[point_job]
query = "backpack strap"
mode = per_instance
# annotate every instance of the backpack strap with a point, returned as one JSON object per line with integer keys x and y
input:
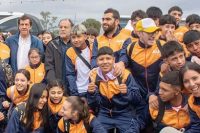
{"x": 160, "y": 112}
{"x": 82, "y": 58}
{"x": 160, "y": 48}
{"x": 66, "y": 126}
{"x": 131, "y": 49}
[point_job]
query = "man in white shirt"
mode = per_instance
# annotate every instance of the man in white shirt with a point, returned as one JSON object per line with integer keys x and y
{"x": 21, "y": 42}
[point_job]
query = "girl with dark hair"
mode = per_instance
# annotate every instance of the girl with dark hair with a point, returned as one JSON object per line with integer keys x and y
{"x": 190, "y": 78}
{"x": 55, "y": 102}
{"x": 35, "y": 67}
{"x": 77, "y": 118}
{"x": 20, "y": 91}
{"x": 31, "y": 116}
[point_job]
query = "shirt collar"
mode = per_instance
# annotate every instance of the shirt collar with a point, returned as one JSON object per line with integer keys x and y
{"x": 108, "y": 76}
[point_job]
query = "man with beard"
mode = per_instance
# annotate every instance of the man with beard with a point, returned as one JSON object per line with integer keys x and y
{"x": 114, "y": 37}
{"x": 55, "y": 53}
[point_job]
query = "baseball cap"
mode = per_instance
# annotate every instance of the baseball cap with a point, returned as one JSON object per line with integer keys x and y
{"x": 147, "y": 25}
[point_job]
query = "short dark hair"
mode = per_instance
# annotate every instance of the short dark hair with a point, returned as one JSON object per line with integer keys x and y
{"x": 167, "y": 19}
{"x": 192, "y": 19}
{"x": 48, "y": 32}
{"x": 191, "y": 36}
{"x": 92, "y": 31}
{"x": 171, "y": 47}
{"x": 105, "y": 50}
{"x": 154, "y": 12}
{"x": 171, "y": 78}
{"x": 67, "y": 19}
{"x": 138, "y": 13}
{"x": 25, "y": 17}
{"x": 175, "y": 8}
{"x": 114, "y": 12}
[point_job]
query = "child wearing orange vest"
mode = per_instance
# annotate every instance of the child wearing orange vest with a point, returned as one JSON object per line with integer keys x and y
{"x": 55, "y": 102}
{"x": 36, "y": 67}
{"x": 77, "y": 118}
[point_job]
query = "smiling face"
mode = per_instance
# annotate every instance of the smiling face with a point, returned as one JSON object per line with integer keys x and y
{"x": 46, "y": 37}
{"x": 147, "y": 38}
{"x": 56, "y": 94}
{"x": 191, "y": 81}
{"x": 109, "y": 23}
{"x": 105, "y": 62}
{"x": 21, "y": 82}
{"x": 43, "y": 99}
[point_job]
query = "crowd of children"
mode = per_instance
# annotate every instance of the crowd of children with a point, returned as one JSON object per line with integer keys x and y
{"x": 141, "y": 81}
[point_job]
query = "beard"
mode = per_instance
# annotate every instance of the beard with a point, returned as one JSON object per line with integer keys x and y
{"x": 109, "y": 29}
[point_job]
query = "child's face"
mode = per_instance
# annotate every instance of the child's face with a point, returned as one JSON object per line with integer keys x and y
{"x": 79, "y": 40}
{"x": 34, "y": 58}
{"x": 191, "y": 81}
{"x": 195, "y": 26}
{"x": 106, "y": 63}
{"x": 43, "y": 99}
{"x": 167, "y": 92}
{"x": 194, "y": 48}
{"x": 21, "y": 82}
{"x": 46, "y": 38}
{"x": 167, "y": 29}
{"x": 177, "y": 15}
{"x": 90, "y": 38}
{"x": 67, "y": 111}
{"x": 176, "y": 61}
{"x": 56, "y": 94}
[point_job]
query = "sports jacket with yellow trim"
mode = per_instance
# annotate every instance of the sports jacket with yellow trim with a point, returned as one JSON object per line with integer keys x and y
{"x": 37, "y": 74}
{"x": 194, "y": 111}
{"x": 4, "y": 52}
{"x": 172, "y": 118}
{"x": 115, "y": 43}
{"x": 108, "y": 95}
{"x": 94, "y": 124}
{"x": 71, "y": 72}
{"x": 144, "y": 64}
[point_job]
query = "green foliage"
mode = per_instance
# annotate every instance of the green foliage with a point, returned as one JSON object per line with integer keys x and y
{"x": 92, "y": 23}
{"x": 48, "y": 21}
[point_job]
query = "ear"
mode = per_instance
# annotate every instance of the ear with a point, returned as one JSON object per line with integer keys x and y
{"x": 116, "y": 22}
{"x": 75, "y": 114}
{"x": 178, "y": 90}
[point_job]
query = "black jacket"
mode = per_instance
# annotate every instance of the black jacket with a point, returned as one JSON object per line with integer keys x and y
{"x": 55, "y": 59}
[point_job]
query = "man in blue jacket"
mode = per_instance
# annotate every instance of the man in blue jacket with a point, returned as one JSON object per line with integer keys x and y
{"x": 21, "y": 42}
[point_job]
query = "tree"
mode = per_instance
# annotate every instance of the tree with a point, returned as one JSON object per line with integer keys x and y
{"x": 48, "y": 21}
{"x": 92, "y": 23}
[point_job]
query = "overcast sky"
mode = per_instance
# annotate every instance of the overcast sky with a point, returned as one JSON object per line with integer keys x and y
{"x": 79, "y": 10}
